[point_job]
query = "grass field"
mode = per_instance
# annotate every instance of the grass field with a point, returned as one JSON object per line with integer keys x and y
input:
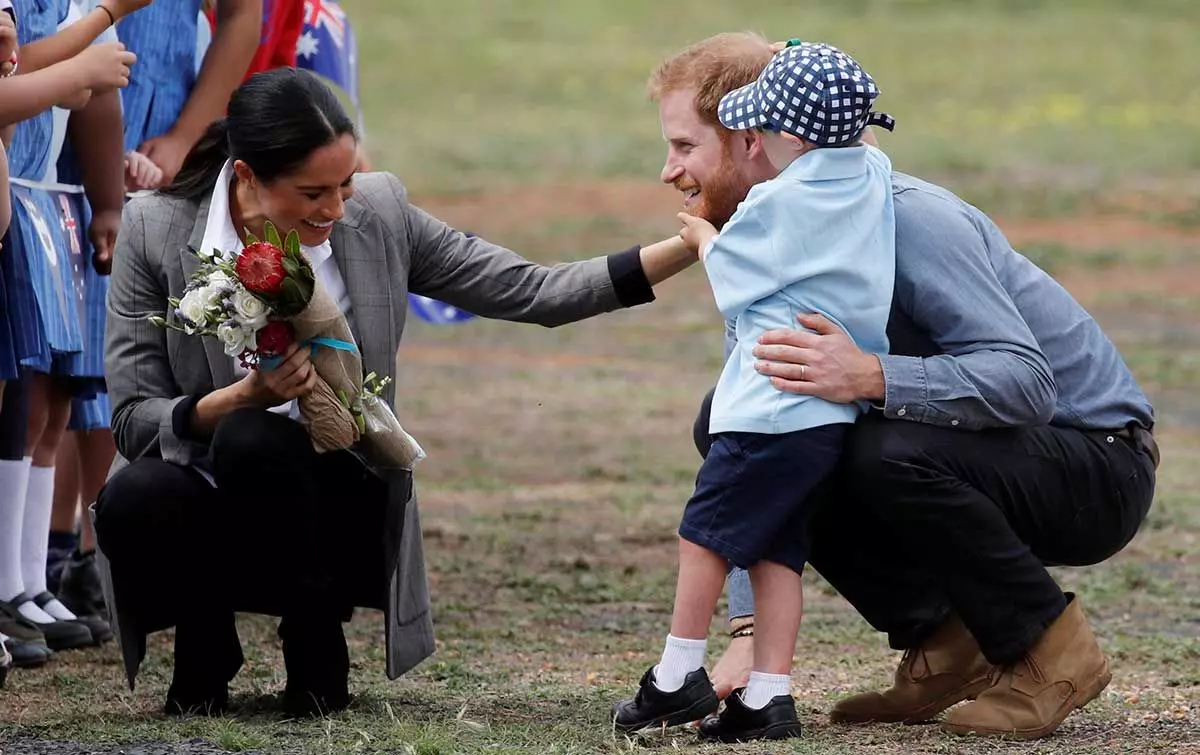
{"x": 560, "y": 459}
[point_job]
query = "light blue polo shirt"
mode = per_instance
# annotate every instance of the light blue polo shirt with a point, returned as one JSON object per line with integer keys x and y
{"x": 820, "y": 237}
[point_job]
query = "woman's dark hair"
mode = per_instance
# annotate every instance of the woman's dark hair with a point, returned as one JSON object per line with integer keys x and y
{"x": 275, "y": 121}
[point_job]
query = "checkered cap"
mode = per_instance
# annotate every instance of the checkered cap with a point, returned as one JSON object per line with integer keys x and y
{"x": 812, "y": 90}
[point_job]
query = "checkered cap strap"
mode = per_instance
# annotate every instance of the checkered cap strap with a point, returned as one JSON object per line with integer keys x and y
{"x": 882, "y": 120}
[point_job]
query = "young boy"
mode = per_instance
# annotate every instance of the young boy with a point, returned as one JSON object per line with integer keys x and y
{"x": 820, "y": 237}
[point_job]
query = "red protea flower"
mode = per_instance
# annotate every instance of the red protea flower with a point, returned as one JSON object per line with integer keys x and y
{"x": 260, "y": 268}
{"x": 274, "y": 338}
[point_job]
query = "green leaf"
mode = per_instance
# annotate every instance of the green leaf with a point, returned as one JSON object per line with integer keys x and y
{"x": 272, "y": 235}
{"x": 250, "y": 237}
{"x": 291, "y": 267}
{"x": 292, "y": 245}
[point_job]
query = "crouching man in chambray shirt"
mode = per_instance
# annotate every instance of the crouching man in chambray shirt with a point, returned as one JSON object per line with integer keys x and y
{"x": 1008, "y": 435}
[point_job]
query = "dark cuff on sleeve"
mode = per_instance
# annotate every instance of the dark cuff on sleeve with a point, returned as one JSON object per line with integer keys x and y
{"x": 629, "y": 279}
{"x": 181, "y": 417}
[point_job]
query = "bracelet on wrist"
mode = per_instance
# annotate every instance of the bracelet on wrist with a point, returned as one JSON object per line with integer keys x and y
{"x": 112, "y": 20}
{"x": 746, "y": 630}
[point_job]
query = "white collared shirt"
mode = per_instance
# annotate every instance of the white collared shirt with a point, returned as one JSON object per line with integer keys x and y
{"x": 219, "y": 233}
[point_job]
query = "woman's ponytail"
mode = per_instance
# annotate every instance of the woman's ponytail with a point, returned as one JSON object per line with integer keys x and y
{"x": 202, "y": 165}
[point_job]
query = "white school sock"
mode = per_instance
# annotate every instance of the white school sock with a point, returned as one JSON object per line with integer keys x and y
{"x": 680, "y": 657}
{"x": 14, "y": 478}
{"x": 763, "y": 688}
{"x": 35, "y": 542}
{"x": 35, "y": 530}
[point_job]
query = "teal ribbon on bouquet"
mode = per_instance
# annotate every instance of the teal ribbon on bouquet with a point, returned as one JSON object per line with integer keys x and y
{"x": 270, "y": 363}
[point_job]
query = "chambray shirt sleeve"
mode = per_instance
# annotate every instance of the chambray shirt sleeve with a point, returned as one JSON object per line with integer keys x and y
{"x": 740, "y": 263}
{"x": 991, "y": 372}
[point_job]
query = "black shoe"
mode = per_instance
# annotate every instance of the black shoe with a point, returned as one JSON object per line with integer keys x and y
{"x": 28, "y": 654}
{"x": 207, "y": 657}
{"x": 80, "y": 589}
{"x": 318, "y": 666}
{"x": 99, "y": 628}
{"x": 195, "y": 702}
{"x": 299, "y": 702}
{"x": 653, "y": 707}
{"x": 60, "y": 635}
{"x": 737, "y": 723}
{"x": 14, "y": 624}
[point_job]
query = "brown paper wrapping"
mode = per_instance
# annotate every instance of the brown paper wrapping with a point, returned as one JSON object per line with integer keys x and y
{"x": 331, "y": 424}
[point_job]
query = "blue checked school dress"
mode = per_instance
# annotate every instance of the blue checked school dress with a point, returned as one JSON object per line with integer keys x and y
{"x": 43, "y": 305}
{"x": 90, "y": 407}
{"x": 165, "y": 72}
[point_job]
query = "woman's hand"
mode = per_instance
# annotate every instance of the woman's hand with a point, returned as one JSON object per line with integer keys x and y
{"x": 293, "y": 378}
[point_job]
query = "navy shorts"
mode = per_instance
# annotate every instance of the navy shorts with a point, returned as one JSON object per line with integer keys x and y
{"x": 754, "y": 496}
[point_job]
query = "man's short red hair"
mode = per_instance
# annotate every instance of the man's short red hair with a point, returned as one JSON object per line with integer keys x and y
{"x": 713, "y": 67}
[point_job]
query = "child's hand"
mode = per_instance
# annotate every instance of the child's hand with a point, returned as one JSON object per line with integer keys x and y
{"x": 8, "y": 45}
{"x": 104, "y": 66}
{"x": 696, "y": 232}
{"x": 141, "y": 172}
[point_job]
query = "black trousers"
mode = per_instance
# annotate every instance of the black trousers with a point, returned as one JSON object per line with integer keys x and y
{"x": 286, "y": 531}
{"x": 921, "y": 521}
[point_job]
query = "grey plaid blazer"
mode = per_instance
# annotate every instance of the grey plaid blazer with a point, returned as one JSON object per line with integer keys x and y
{"x": 385, "y": 248}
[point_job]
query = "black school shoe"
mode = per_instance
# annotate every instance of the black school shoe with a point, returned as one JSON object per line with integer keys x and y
{"x": 60, "y": 635}
{"x": 653, "y": 707}
{"x": 737, "y": 723}
{"x": 101, "y": 631}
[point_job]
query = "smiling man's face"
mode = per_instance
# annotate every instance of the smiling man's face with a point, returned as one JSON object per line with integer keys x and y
{"x": 700, "y": 160}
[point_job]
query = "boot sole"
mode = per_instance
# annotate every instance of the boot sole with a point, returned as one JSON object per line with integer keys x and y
{"x": 695, "y": 712}
{"x": 1075, "y": 702}
{"x": 920, "y": 715}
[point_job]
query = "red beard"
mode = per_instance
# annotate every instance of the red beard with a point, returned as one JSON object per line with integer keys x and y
{"x": 719, "y": 195}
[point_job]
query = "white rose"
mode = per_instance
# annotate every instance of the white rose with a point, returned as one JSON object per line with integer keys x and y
{"x": 220, "y": 279}
{"x": 193, "y": 308}
{"x": 212, "y": 294}
{"x": 249, "y": 308}
{"x": 235, "y": 338}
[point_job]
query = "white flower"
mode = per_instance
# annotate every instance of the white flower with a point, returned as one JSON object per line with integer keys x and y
{"x": 211, "y": 294}
{"x": 220, "y": 279}
{"x": 193, "y": 308}
{"x": 236, "y": 339}
{"x": 249, "y": 308}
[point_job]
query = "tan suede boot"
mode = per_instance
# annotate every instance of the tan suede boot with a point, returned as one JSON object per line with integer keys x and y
{"x": 946, "y": 669}
{"x": 1065, "y": 670}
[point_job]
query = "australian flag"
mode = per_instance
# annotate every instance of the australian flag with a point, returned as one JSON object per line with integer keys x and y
{"x": 327, "y": 47}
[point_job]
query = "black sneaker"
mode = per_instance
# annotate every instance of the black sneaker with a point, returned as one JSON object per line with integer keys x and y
{"x": 737, "y": 723}
{"x": 653, "y": 707}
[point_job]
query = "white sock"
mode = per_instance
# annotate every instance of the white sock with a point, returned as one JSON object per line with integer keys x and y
{"x": 765, "y": 687}
{"x": 35, "y": 530}
{"x": 14, "y": 479}
{"x": 30, "y": 610}
{"x": 58, "y": 611}
{"x": 680, "y": 657}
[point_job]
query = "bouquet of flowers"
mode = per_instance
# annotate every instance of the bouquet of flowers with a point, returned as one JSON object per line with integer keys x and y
{"x": 267, "y": 298}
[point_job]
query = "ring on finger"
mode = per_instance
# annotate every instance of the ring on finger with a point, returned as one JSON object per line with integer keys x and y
{"x": 801, "y": 373}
